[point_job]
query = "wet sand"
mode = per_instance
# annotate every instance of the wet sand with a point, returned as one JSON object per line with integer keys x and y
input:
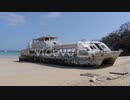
{"x": 14, "y": 73}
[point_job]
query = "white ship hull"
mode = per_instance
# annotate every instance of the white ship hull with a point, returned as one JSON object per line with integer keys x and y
{"x": 103, "y": 59}
{"x": 87, "y": 53}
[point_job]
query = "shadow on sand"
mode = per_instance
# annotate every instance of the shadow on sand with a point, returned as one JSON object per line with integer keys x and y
{"x": 67, "y": 66}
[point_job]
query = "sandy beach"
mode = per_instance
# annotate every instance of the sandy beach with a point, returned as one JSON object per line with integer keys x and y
{"x": 14, "y": 73}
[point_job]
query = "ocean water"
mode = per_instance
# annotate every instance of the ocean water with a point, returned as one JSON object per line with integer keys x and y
{"x": 10, "y": 53}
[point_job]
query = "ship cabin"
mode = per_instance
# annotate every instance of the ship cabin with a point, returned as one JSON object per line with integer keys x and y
{"x": 47, "y": 38}
{"x": 43, "y": 42}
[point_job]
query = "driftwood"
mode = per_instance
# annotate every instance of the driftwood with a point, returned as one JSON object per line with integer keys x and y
{"x": 93, "y": 79}
{"x": 89, "y": 74}
{"x": 111, "y": 78}
{"x": 118, "y": 73}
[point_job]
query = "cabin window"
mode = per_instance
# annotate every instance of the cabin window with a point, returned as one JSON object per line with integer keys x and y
{"x": 94, "y": 47}
{"x": 103, "y": 46}
{"x": 91, "y": 47}
{"x": 46, "y": 39}
{"x": 98, "y": 46}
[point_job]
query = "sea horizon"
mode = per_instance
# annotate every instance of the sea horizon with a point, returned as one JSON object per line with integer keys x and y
{"x": 9, "y": 53}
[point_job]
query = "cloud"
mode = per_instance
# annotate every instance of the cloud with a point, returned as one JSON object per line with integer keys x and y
{"x": 12, "y": 19}
{"x": 55, "y": 14}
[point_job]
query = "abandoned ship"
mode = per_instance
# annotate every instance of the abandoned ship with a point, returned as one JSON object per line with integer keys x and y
{"x": 48, "y": 49}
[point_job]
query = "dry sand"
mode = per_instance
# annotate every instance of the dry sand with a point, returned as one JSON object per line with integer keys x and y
{"x": 14, "y": 73}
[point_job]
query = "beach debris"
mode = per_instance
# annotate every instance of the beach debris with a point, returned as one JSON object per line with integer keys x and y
{"x": 89, "y": 74}
{"x": 93, "y": 76}
{"x": 93, "y": 79}
{"x": 112, "y": 78}
{"x": 102, "y": 78}
{"x": 96, "y": 77}
{"x": 119, "y": 73}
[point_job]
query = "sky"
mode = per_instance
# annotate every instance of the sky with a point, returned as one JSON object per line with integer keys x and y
{"x": 18, "y": 28}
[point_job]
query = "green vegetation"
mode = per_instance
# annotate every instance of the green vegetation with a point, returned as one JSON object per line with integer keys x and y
{"x": 119, "y": 39}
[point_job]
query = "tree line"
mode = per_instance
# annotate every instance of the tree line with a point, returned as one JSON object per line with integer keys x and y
{"x": 119, "y": 39}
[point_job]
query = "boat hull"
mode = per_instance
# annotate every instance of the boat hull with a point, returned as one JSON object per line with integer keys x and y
{"x": 108, "y": 58}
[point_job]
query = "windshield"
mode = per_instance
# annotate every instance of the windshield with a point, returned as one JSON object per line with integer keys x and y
{"x": 100, "y": 48}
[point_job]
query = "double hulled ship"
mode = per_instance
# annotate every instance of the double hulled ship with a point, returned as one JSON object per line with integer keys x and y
{"x": 48, "y": 49}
